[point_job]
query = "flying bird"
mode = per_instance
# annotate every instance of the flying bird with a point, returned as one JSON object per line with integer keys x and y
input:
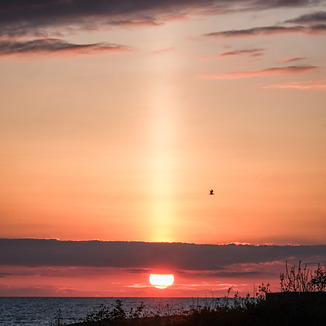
{"x": 211, "y": 192}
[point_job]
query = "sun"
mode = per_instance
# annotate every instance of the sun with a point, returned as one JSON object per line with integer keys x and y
{"x": 161, "y": 281}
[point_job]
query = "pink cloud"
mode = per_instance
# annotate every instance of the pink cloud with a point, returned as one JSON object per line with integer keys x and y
{"x": 316, "y": 86}
{"x": 163, "y": 50}
{"x": 257, "y": 73}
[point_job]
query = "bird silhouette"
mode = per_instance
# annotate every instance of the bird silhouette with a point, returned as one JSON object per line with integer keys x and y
{"x": 211, "y": 192}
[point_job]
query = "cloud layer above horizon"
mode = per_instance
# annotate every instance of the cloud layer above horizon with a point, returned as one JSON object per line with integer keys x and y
{"x": 118, "y": 254}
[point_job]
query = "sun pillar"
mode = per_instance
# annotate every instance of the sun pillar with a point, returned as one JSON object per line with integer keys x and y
{"x": 162, "y": 161}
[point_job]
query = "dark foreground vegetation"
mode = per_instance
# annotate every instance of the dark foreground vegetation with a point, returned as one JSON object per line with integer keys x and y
{"x": 301, "y": 302}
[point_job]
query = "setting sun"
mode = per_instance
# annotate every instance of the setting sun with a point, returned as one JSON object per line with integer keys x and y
{"x": 161, "y": 281}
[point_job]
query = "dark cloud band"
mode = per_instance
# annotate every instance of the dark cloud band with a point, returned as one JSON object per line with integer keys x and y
{"x": 35, "y": 252}
{"x": 29, "y": 16}
{"x": 265, "y": 30}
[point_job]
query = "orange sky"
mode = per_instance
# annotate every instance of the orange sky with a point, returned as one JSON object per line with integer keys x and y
{"x": 117, "y": 120}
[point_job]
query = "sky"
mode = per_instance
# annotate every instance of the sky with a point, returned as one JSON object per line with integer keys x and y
{"x": 117, "y": 118}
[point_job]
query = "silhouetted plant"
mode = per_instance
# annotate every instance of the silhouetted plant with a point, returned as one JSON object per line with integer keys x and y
{"x": 105, "y": 313}
{"x": 226, "y": 305}
{"x": 262, "y": 290}
{"x": 302, "y": 279}
{"x": 102, "y": 313}
{"x": 138, "y": 312}
{"x": 318, "y": 279}
{"x": 117, "y": 312}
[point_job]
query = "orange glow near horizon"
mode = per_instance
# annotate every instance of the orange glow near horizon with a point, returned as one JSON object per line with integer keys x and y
{"x": 161, "y": 281}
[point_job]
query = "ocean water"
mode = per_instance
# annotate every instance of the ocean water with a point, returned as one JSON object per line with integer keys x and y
{"x": 43, "y": 311}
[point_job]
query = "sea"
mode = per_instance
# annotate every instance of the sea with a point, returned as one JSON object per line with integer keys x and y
{"x": 45, "y": 311}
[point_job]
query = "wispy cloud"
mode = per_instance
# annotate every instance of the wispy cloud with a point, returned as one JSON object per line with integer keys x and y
{"x": 257, "y": 73}
{"x": 147, "y": 21}
{"x": 54, "y": 46}
{"x": 251, "y": 52}
{"x": 269, "y": 30}
{"x": 292, "y": 59}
